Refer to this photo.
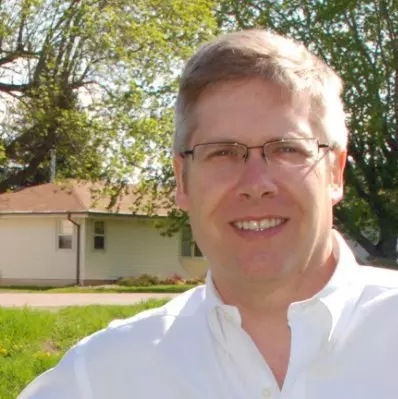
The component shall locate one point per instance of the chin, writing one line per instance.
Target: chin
(262, 269)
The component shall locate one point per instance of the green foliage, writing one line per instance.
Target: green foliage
(93, 80)
(32, 341)
(2, 154)
(144, 280)
(150, 281)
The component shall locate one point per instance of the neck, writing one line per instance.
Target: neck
(261, 300)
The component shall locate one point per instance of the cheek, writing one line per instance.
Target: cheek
(206, 190)
(310, 192)
(320, 197)
(209, 205)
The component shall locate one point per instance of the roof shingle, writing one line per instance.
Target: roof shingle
(68, 196)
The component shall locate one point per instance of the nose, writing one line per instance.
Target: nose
(256, 181)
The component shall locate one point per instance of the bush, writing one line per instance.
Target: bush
(197, 280)
(147, 280)
(175, 279)
(144, 280)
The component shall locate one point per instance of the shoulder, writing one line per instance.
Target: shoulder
(379, 278)
(380, 286)
(141, 345)
(148, 327)
(185, 305)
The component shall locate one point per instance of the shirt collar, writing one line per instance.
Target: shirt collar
(213, 298)
(341, 293)
(216, 305)
(338, 296)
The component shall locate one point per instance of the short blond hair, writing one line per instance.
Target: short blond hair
(275, 58)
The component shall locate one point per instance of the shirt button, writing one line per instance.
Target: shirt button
(267, 394)
(228, 317)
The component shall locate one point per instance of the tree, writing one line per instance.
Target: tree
(359, 38)
(85, 78)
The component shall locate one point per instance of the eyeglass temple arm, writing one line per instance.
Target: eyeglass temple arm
(185, 153)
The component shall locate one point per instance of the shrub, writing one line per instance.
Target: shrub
(175, 279)
(197, 280)
(147, 280)
(144, 280)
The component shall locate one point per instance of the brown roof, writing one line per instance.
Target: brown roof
(69, 196)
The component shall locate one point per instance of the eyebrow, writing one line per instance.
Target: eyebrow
(229, 140)
(291, 134)
(297, 134)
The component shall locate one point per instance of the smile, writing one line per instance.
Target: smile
(258, 225)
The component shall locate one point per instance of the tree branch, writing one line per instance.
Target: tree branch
(8, 88)
(356, 184)
(14, 55)
(345, 219)
(18, 178)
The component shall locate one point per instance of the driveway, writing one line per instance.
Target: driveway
(42, 300)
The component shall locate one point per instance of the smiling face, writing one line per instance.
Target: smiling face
(261, 222)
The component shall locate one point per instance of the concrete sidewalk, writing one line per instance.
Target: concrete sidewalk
(43, 300)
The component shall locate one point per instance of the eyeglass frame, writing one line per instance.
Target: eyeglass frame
(319, 146)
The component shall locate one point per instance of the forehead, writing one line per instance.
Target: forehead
(249, 111)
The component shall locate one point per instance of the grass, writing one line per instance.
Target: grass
(32, 341)
(176, 288)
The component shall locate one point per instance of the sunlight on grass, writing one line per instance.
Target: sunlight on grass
(32, 341)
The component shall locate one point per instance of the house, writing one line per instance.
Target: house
(62, 234)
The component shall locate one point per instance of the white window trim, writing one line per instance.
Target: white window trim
(58, 234)
(98, 235)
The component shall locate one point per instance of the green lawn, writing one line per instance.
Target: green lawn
(176, 288)
(31, 341)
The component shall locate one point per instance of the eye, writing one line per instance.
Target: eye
(224, 152)
(290, 148)
(230, 152)
(287, 148)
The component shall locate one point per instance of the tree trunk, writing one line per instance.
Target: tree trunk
(387, 245)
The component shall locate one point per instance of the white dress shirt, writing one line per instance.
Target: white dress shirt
(344, 345)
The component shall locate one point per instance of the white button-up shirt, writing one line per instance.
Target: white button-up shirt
(344, 345)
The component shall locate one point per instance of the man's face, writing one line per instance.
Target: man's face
(292, 205)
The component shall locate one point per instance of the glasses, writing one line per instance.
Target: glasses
(292, 152)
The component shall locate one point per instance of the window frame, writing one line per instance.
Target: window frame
(95, 234)
(60, 233)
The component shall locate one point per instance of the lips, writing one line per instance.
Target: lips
(259, 224)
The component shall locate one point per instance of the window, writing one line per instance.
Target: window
(99, 235)
(65, 234)
(188, 245)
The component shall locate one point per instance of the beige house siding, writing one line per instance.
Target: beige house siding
(29, 254)
(132, 247)
(28, 250)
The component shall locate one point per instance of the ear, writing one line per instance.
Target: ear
(181, 189)
(337, 177)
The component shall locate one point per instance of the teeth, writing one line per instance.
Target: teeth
(258, 225)
(253, 225)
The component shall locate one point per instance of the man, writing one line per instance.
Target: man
(260, 149)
